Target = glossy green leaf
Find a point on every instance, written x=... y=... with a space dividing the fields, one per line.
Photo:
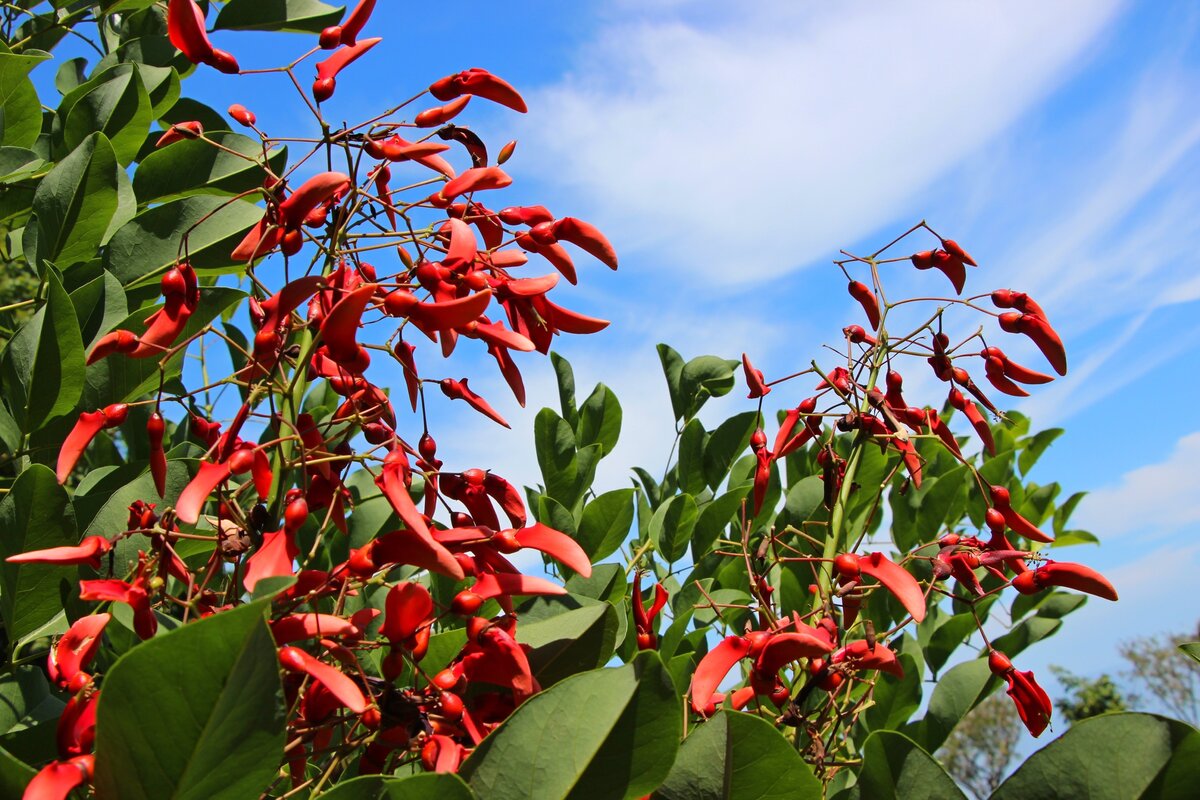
x=1191 y=650
x=42 y=368
x=567 y=635
x=736 y=755
x=704 y=377
x=565 y=376
x=554 y=442
x=895 y=699
x=443 y=786
x=151 y=243
x=19 y=105
x=114 y=103
x=209 y=725
x=14 y=775
x=714 y=518
x=81 y=203
x=896 y=768
x=600 y=420
x=35 y=514
x=193 y=167
x=672 y=525
x=100 y=305
x=689 y=468
x=672 y=366
x=609 y=733
x=725 y=444
x=958 y=690
x=606 y=523
x=18 y=164
x=298 y=16
x=1112 y=757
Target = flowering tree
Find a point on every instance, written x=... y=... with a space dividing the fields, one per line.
x=255 y=577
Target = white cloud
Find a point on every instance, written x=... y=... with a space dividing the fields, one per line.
x=1156 y=499
x=782 y=128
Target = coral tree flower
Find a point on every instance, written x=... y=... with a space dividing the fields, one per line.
x=1033 y=704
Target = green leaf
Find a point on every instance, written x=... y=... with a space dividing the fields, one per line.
x=1112 y=757
x=672 y=525
x=554 y=442
x=895 y=699
x=1069 y=538
x=114 y=103
x=956 y=693
x=296 y=16
x=566 y=389
x=725 y=444
x=15 y=775
x=43 y=368
x=20 y=109
x=896 y=768
x=81 y=203
x=209 y=725
x=803 y=500
x=443 y=786
x=105 y=507
x=610 y=733
x=714 y=518
x=193 y=167
x=36 y=514
x=606 y=523
x=554 y=514
x=99 y=306
x=672 y=365
x=689 y=469
x=735 y=755
x=18 y=163
x=150 y=243
x=567 y=635
x=1062 y=514
x=1191 y=650
x=704 y=377
x=600 y=420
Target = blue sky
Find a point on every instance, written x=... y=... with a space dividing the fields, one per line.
x=729 y=150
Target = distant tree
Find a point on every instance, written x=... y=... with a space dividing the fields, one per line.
x=1172 y=678
x=1087 y=697
x=983 y=747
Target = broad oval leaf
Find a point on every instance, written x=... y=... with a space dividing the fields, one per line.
x=114 y=103
x=605 y=524
x=36 y=514
x=567 y=635
x=151 y=243
x=43 y=369
x=209 y=725
x=195 y=167
x=672 y=525
x=738 y=755
x=896 y=768
x=1112 y=757
x=609 y=733
x=81 y=202
x=443 y=786
x=19 y=105
x=298 y=16
x=600 y=420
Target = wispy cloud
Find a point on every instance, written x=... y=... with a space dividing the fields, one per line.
x=1155 y=500
x=739 y=146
